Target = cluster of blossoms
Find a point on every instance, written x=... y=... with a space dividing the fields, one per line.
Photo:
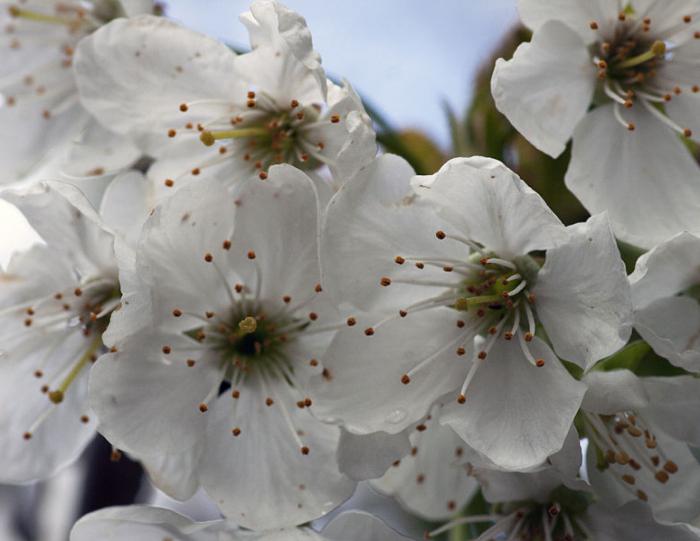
x=235 y=289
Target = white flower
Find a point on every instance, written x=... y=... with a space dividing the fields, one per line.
x=641 y=64
x=199 y=108
x=222 y=326
x=430 y=481
x=447 y=278
x=55 y=302
x=533 y=506
x=639 y=430
x=666 y=312
x=41 y=119
x=138 y=523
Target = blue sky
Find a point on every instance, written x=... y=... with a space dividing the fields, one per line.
x=407 y=56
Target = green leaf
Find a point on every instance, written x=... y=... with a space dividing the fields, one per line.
x=628 y=357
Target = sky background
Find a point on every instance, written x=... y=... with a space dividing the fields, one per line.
x=407 y=57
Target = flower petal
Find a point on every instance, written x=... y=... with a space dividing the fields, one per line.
x=671 y=326
x=133 y=74
x=249 y=461
x=147 y=401
x=609 y=162
x=362 y=457
x=547 y=87
x=577 y=15
x=666 y=269
x=582 y=295
x=354 y=525
x=625 y=523
x=430 y=482
x=517 y=414
x=370 y=221
x=487 y=202
x=363 y=388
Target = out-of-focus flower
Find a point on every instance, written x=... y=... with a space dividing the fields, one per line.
x=664 y=295
x=638 y=66
x=450 y=261
x=140 y=523
x=230 y=322
x=638 y=431
x=41 y=118
x=55 y=303
x=200 y=108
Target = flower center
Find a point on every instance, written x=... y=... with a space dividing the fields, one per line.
x=627 y=448
x=250 y=341
x=628 y=57
x=560 y=519
x=492 y=292
x=258 y=133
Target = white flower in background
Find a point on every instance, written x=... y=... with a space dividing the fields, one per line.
x=55 y=303
x=534 y=506
x=639 y=430
x=214 y=378
x=446 y=278
x=664 y=296
x=200 y=108
x=430 y=481
x=637 y=62
x=41 y=119
x=138 y=523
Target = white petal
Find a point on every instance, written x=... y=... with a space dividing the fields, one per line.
x=487 y=202
x=364 y=389
x=666 y=269
x=676 y=500
x=673 y=405
x=546 y=88
x=369 y=222
x=66 y=221
x=430 y=481
x=285 y=241
x=684 y=110
x=609 y=162
x=362 y=457
x=282 y=62
x=672 y=327
x=138 y=522
x=560 y=468
x=613 y=392
x=97 y=151
x=147 y=402
x=133 y=74
x=193 y=222
x=355 y=525
x=625 y=523
x=61 y=437
x=265 y=459
x=28 y=139
x=517 y=414
x=578 y=15
x=582 y=295
x=126 y=204
x=175 y=473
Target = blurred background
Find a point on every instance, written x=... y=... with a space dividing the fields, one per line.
x=423 y=69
